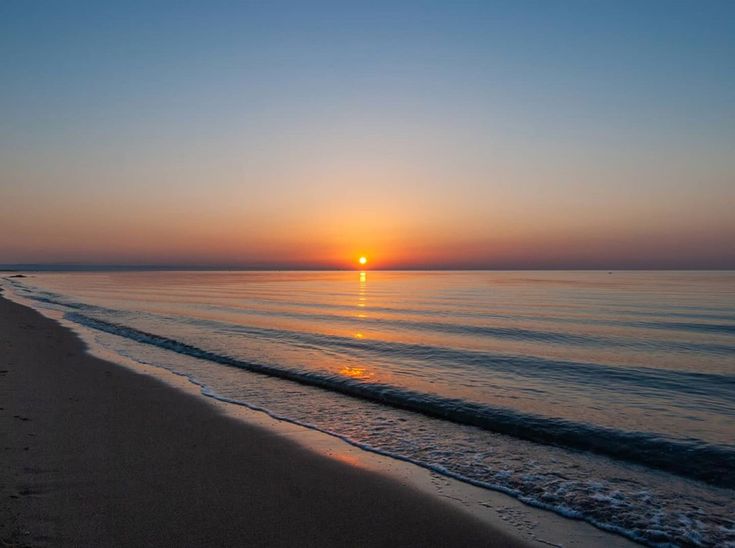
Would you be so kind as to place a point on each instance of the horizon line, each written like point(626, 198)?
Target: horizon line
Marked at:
point(91, 267)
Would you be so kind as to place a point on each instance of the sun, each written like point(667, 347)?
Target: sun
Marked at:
point(362, 260)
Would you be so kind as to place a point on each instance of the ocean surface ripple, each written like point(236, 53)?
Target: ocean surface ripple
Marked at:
point(604, 398)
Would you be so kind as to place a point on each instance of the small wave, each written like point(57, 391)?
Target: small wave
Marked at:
point(56, 302)
point(590, 374)
point(525, 334)
point(725, 329)
point(691, 458)
point(498, 332)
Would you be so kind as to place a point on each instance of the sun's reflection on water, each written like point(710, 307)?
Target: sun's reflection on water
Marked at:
point(349, 459)
point(359, 372)
point(356, 372)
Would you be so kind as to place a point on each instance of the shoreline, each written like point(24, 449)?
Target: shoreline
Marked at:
point(451, 510)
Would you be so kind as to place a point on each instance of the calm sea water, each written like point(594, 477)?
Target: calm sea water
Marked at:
point(608, 397)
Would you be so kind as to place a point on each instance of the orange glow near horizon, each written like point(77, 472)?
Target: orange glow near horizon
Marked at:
point(333, 139)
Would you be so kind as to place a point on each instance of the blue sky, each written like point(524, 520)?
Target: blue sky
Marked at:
point(457, 133)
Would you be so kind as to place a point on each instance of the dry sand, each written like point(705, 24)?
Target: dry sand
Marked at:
point(94, 454)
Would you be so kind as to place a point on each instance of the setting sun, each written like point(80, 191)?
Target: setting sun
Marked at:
point(362, 260)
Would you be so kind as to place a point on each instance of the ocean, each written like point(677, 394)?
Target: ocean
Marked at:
point(602, 396)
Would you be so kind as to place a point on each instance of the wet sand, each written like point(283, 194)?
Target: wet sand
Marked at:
point(94, 454)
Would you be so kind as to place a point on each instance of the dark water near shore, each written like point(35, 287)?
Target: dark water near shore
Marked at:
point(607, 397)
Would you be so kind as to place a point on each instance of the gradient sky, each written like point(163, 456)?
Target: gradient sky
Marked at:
point(422, 134)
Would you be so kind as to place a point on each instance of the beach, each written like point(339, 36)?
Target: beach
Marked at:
point(471, 399)
point(97, 455)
